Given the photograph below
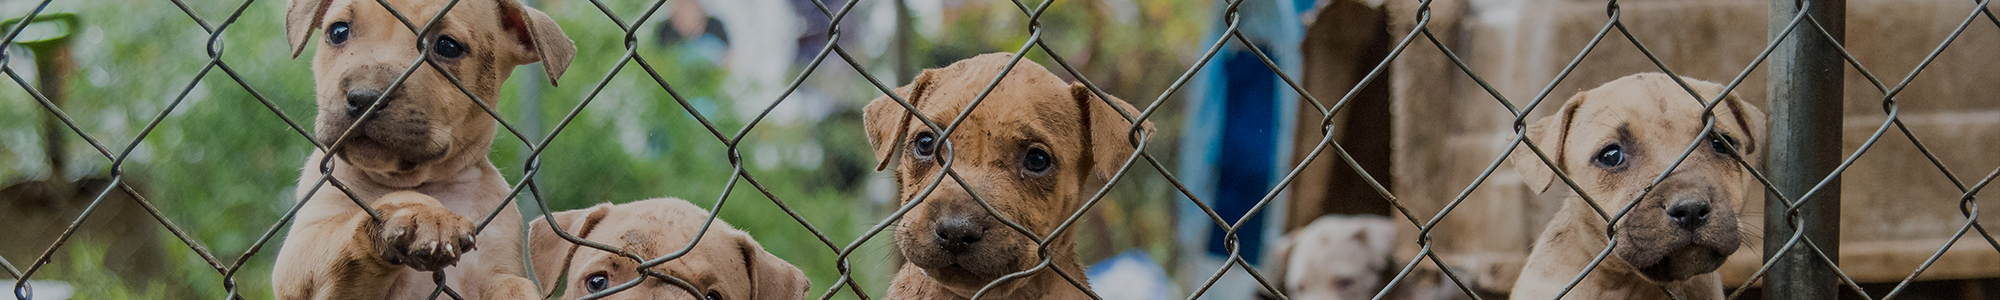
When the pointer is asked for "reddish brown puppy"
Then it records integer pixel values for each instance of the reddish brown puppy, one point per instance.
(1035, 149)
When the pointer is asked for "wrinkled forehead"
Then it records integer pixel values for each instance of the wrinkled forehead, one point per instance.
(1342, 241)
(1017, 105)
(654, 230)
(1655, 108)
(653, 238)
(418, 12)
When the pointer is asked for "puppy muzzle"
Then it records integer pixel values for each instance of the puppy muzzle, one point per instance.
(395, 135)
(1688, 232)
(958, 243)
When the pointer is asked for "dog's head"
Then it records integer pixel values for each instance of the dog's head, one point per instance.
(1615, 139)
(1335, 257)
(1034, 149)
(726, 264)
(426, 118)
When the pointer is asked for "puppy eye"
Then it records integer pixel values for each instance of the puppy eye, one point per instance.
(448, 48)
(596, 283)
(1036, 160)
(924, 145)
(1721, 143)
(337, 33)
(1343, 283)
(1610, 156)
(713, 295)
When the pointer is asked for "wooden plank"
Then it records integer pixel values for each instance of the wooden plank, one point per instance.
(1892, 261)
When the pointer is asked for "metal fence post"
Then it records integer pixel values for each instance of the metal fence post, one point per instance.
(1805, 104)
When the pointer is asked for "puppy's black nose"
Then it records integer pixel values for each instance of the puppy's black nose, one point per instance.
(957, 234)
(1689, 214)
(359, 99)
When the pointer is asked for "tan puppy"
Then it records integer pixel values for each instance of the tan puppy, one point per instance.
(1036, 149)
(1340, 257)
(1613, 141)
(420, 160)
(726, 264)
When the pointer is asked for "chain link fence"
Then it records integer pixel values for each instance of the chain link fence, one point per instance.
(1798, 27)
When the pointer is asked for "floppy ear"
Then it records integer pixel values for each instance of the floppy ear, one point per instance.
(539, 37)
(1276, 263)
(1549, 133)
(301, 17)
(1379, 235)
(1110, 139)
(886, 120)
(1752, 120)
(771, 278)
(551, 252)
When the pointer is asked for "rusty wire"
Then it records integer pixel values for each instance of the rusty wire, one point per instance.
(1229, 15)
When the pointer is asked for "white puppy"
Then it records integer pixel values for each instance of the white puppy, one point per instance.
(1348, 257)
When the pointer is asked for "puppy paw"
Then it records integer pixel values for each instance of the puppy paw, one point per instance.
(418, 232)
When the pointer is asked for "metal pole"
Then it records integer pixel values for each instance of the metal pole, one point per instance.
(53, 64)
(1805, 104)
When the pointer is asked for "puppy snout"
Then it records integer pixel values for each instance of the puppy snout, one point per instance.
(359, 99)
(957, 234)
(1689, 213)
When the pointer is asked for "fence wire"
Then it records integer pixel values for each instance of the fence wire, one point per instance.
(1799, 27)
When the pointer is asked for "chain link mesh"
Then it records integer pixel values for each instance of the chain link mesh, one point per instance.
(1799, 27)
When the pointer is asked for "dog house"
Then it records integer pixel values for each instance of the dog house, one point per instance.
(1426, 130)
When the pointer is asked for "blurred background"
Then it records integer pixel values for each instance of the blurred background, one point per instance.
(222, 166)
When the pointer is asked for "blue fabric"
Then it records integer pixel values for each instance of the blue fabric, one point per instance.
(1243, 168)
(1132, 275)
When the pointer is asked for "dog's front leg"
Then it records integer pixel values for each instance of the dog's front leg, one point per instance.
(338, 252)
(499, 272)
(326, 255)
(1700, 287)
(910, 283)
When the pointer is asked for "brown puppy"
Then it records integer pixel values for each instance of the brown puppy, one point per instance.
(726, 264)
(420, 160)
(1613, 141)
(1035, 149)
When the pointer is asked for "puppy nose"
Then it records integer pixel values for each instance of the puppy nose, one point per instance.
(1689, 214)
(359, 99)
(957, 234)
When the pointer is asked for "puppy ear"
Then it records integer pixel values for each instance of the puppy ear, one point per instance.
(550, 252)
(539, 35)
(1110, 139)
(771, 278)
(1549, 133)
(887, 121)
(1276, 263)
(1752, 120)
(1379, 235)
(301, 17)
